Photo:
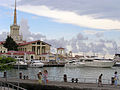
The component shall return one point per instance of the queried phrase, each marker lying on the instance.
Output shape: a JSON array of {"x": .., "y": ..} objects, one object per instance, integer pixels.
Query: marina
[{"x": 74, "y": 46}]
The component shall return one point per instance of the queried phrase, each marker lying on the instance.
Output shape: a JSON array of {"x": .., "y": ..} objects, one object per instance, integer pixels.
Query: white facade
[{"x": 2, "y": 49}]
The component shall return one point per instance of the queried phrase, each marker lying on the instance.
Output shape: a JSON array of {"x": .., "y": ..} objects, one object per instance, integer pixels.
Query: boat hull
[
  {"x": 104, "y": 64},
  {"x": 36, "y": 65},
  {"x": 75, "y": 65},
  {"x": 117, "y": 64}
]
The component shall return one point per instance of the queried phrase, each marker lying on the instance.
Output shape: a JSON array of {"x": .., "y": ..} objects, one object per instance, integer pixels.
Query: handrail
[
  {"x": 82, "y": 80},
  {"x": 4, "y": 84},
  {"x": 8, "y": 63}
]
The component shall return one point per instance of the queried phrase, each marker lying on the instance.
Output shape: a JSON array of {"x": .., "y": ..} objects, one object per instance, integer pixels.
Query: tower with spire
[{"x": 14, "y": 29}]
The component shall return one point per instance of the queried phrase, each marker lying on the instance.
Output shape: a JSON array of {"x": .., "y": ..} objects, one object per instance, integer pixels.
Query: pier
[
  {"x": 53, "y": 64},
  {"x": 55, "y": 85}
]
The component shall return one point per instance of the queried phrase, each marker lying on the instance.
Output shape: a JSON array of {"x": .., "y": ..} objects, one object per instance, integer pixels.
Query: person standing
[
  {"x": 45, "y": 76},
  {"x": 100, "y": 80},
  {"x": 40, "y": 77},
  {"x": 115, "y": 78}
]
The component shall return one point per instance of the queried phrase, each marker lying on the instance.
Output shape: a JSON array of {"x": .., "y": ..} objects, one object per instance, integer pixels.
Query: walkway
[{"x": 78, "y": 86}]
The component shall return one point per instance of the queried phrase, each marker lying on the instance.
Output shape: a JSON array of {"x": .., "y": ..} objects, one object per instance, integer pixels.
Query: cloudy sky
[{"x": 87, "y": 26}]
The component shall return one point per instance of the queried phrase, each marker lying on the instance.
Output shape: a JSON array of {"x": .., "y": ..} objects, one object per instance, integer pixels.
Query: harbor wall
[{"x": 31, "y": 86}]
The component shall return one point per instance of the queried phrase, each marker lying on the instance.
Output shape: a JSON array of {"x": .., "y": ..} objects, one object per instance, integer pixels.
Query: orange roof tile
[{"x": 26, "y": 43}]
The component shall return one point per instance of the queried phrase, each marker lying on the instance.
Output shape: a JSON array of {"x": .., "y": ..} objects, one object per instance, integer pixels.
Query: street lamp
[{"x": 18, "y": 71}]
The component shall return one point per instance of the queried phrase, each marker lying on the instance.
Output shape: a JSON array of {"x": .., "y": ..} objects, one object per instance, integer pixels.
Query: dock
[
  {"x": 53, "y": 64},
  {"x": 20, "y": 66},
  {"x": 55, "y": 85}
]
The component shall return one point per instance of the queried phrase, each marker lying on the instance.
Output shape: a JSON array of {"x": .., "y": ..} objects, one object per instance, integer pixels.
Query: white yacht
[
  {"x": 36, "y": 63},
  {"x": 74, "y": 64},
  {"x": 99, "y": 62},
  {"x": 81, "y": 64},
  {"x": 20, "y": 64}
]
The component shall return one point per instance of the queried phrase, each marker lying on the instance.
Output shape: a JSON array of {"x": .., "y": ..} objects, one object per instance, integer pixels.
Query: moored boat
[
  {"x": 117, "y": 64},
  {"x": 103, "y": 63},
  {"x": 20, "y": 65},
  {"x": 36, "y": 63},
  {"x": 74, "y": 64}
]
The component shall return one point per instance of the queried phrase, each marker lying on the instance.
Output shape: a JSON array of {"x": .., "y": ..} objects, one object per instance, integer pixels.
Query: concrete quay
[{"x": 54, "y": 85}]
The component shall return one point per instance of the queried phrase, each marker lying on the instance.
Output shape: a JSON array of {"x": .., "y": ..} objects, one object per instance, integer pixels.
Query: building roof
[
  {"x": 27, "y": 43},
  {"x": 1, "y": 42},
  {"x": 60, "y": 48},
  {"x": 18, "y": 53}
]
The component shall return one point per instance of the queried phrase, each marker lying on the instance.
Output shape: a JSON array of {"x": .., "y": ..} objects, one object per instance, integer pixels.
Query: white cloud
[
  {"x": 87, "y": 13},
  {"x": 3, "y": 30},
  {"x": 71, "y": 17},
  {"x": 27, "y": 35},
  {"x": 69, "y": 47},
  {"x": 77, "y": 44},
  {"x": 109, "y": 45},
  {"x": 92, "y": 32},
  {"x": 3, "y": 35},
  {"x": 8, "y": 3}
]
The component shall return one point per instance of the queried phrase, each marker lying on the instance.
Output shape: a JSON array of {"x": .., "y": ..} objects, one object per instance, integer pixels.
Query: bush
[{"x": 6, "y": 63}]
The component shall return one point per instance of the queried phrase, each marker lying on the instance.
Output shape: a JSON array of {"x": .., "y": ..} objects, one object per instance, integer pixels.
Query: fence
[
  {"x": 69, "y": 79},
  {"x": 80, "y": 80},
  {"x": 9, "y": 86}
]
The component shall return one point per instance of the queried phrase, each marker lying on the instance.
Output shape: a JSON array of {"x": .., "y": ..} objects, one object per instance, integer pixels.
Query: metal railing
[
  {"x": 9, "y": 86},
  {"x": 80, "y": 80}
]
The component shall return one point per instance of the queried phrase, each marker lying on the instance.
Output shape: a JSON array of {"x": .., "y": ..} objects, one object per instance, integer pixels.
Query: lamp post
[{"x": 18, "y": 72}]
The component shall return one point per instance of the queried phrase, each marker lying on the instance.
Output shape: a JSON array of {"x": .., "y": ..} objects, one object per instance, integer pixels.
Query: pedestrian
[
  {"x": 45, "y": 76},
  {"x": 100, "y": 80},
  {"x": 39, "y": 77},
  {"x": 115, "y": 78}
]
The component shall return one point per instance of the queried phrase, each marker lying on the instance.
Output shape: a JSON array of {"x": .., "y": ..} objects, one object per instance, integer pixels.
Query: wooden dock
[{"x": 54, "y": 85}]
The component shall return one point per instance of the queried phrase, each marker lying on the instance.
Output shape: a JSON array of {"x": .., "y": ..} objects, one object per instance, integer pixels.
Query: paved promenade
[{"x": 69, "y": 85}]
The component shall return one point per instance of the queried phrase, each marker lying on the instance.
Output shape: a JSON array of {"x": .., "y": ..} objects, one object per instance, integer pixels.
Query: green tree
[
  {"x": 10, "y": 44},
  {"x": 6, "y": 63}
]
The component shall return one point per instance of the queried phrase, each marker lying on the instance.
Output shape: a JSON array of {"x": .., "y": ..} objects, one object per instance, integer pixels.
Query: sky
[{"x": 80, "y": 26}]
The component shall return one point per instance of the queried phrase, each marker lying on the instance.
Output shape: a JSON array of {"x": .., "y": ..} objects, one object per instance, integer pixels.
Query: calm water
[{"x": 85, "y": 72}]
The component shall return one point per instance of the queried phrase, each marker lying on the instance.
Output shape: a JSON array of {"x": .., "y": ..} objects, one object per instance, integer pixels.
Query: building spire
[{"x": 15, "y": 15}]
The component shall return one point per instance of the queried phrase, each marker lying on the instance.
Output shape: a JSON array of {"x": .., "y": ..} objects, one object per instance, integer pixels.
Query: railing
[
  {"x": 9, "y": 86},
  {"x": 69, "y": 79},
  {"x": 80, "y": 80}
]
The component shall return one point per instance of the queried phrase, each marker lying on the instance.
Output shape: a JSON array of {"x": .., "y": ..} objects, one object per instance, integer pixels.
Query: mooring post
[
  {"x": 76, "y": 80},
  {"x": 20, "y": 75},
  {"x": 5, "y": 74},
  {"x": 72, "y": 80},
  {"x": 65, "y": 78}
]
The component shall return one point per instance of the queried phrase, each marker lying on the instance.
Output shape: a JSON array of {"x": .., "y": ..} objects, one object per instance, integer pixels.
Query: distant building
[
  {"x": 14, "y": 29},
  {"x": 2, "y": 48},
  {"x": 40, "y": 50},
  {"x": 61, "y": 51},
  {"x": 19, "y": 54}
]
